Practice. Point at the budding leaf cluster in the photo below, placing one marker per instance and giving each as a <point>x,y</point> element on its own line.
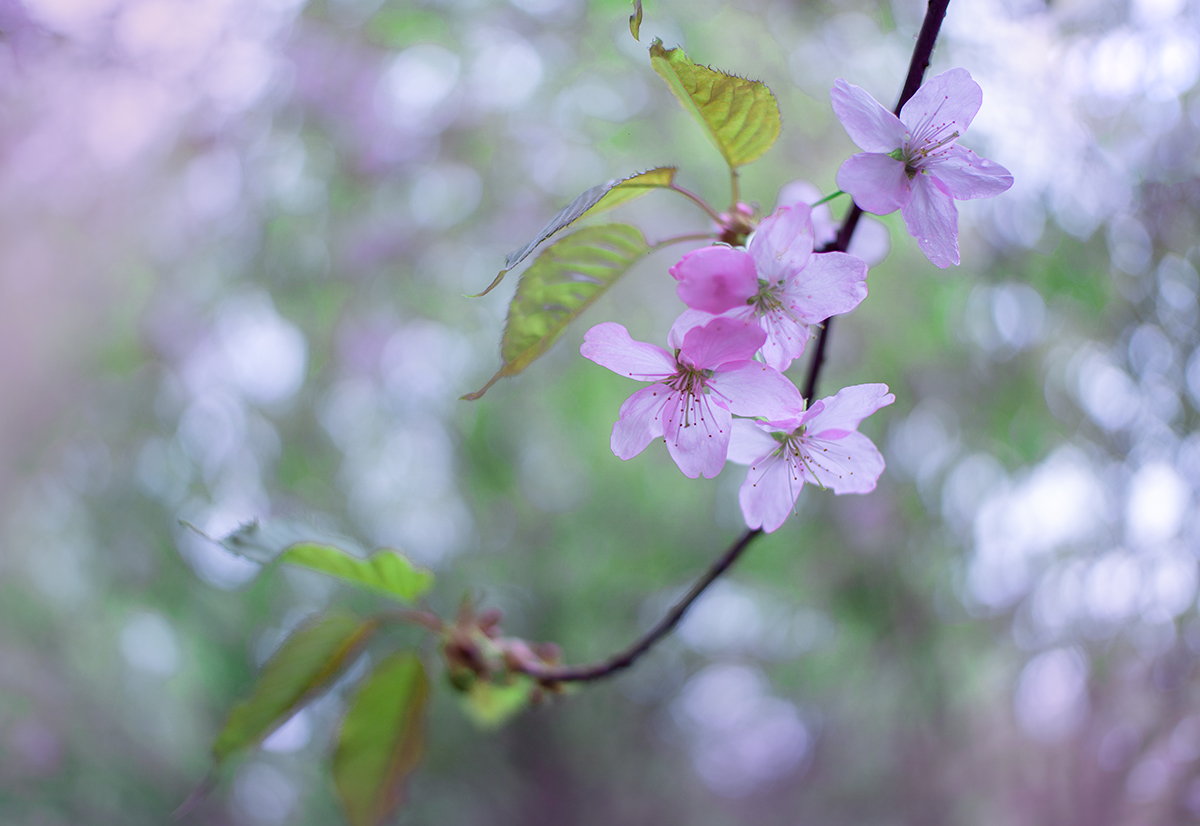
<point>380,739</point>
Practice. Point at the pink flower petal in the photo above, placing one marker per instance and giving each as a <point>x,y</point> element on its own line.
<point>878,183</point>
<point>811,412</point>
<point>697,433</point>
<point>688,320</point>
<point>964,175</point>
<point>872,127</point>
<point>932,219</point>
<point>715,279</point>
<point>785,425</point>
<point>943,105</point>
<point>610,345</point>
<point>719,341</point>
<point>748,442</point>
<point>847,408</point>
<point>851,464</point>
<point>871,242</point>
<point>832,283</point>
<point>768,496</point>
<point>639,422</point>
<point>750,388</point>
<point>804,192</point>
<point>786,339</point>
<point>782,244</point>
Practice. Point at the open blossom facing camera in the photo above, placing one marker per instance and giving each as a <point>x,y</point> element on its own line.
<point>695,392</point>
<point>822,446</point>
<point>778,281</point>
<point>914,163</point>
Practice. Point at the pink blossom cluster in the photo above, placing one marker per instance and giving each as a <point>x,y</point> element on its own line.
<point>719,393</point>
<point>750,314</point>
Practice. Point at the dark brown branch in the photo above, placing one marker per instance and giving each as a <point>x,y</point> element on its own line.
<point>934,14</point>
<point>814,370</point>
<point>626,658</point>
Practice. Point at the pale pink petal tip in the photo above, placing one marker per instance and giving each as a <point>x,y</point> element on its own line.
<point>872,127</point>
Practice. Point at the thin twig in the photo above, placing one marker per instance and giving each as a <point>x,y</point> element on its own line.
<point>814,370</point>
<point>839,244</point>
<point>626,658</point>
<point>679,239</point>
<point>934,14</point>
<point>425,619</point>
<point>697,200</point>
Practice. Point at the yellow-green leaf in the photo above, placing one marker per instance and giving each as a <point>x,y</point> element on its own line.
<point>381,740</point>
<point>599,198</point>
<point>385,571</point>
<point>564,280</point>
<point>635,20</point>
<point>306,661</point>
<point>635,186</point>
<point>740,116</point>
<point>490,705</point>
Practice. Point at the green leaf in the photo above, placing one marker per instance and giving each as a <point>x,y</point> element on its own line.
<point>384,571</point>
<point>380,741</point>
<point>740,116</point>
<point>564,280</point>
<point>635,20</point>
<point>490,705</point>
<point>264,542</point>
<point>599,198</point>
<point>635,186</point>
<point>306,661</point>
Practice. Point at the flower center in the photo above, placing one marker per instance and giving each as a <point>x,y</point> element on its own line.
<point>927,143</point>
<point>793,447</point>
<point>689,379</point>
<point>690,382</point>
<point>768,299</point>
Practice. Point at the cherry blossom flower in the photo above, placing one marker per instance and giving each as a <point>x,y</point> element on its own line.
<point>777,282</point>
<point>914,163</point>
<point>694,392</point>
<point>821,446</point>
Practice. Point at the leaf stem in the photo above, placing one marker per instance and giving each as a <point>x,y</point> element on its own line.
<point>679,239</point>
<point>934,14</point>
<point>733,186</point>
<point>425,619</point>
<point>697,200</point>
<point>828,198</point>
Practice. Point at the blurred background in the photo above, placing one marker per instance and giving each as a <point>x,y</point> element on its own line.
<point>235,244</point>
